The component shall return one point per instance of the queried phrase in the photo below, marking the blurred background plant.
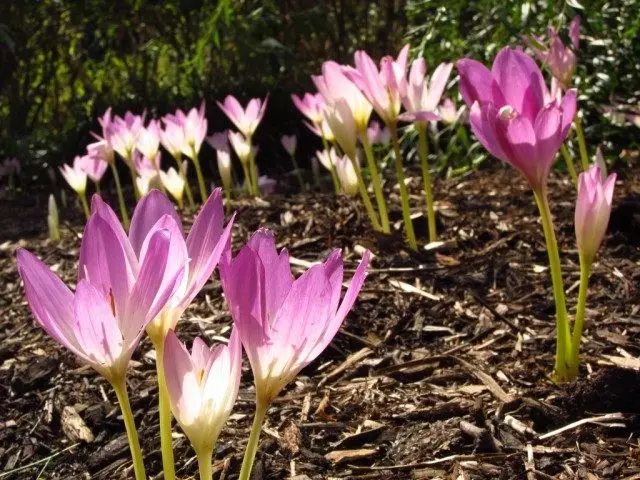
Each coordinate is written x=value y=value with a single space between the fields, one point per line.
x=64 y=62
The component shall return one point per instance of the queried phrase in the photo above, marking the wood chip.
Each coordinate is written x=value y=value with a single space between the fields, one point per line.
x=74 y=427
x=406 y=287
x=340 y=456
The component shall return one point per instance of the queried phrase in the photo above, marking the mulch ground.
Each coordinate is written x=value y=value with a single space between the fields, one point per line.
x=442 y=370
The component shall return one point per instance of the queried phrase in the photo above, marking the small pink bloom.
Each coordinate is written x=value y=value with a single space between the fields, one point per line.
x=93 y=166
x=241 y=145
x=148 y=141
x=448 y=112
x=194 y=125
x=284 y=323
x=219 y=141
x=593 y=209
x=247 y=120
x=122 y=134
x=172 y=138
x=203 y=386
x=289 y=143
x=344 y=126
x=513 y=114
x=75 y=176
x=560 y=59
x=267 y=184
x=146 y=167
x=378 y=134
x=102 y=150
x=422 y=93
x=311 y=105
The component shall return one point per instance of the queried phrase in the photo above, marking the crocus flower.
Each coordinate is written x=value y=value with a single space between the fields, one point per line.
x=335 y=86
x=105 y=121
x=289 y=143
x=203 y=386
x=347 y=175
x=93 y=166
x=385 y=88
x=560 y=59
x=327 y=157
x=148 y=140
x=322 y=129
x=311 y=105
x=203 y=246
x=174 y=183
x=145 y=166
x=102 y=150
x=219 y=141
x=513 y=114
x=172 y=138
x=344 y=126
x=195 y=130
x=122 y=134
x=241 y=145
x=284 y=324
x=224 y=168
x=378 y=134
x=423 y=94
x=267 y=184
x=75 y=176
x=593 y=209
x=448 y=112
x=247 y=120
x=117 y=294
x=143 y=182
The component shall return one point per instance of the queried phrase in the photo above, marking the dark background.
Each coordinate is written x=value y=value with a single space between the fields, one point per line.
x=64 y=62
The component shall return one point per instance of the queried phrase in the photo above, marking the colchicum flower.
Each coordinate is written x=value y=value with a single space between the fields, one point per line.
x=203 y=387
x=172 y=138
x=94 y=166
x=241 y=146
x=283 y=323
x=75 y=176
x=289 y=143
x=347 y=175
x=148 y=141
x=423 y=94
x=174 y=183
x=378 y=134
x=247 y=120
x=311 y=105
x=513 y=114
x=593 y=209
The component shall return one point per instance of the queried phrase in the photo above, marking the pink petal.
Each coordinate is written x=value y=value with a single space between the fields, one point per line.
x=476 y=83
x=518 y=140
x=548 y=131
x=148 y=211
x=437 y=84
x=483 y=123
x=182 y=385
x=568 y=106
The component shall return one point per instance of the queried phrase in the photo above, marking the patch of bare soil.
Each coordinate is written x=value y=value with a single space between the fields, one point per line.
x=442 y=370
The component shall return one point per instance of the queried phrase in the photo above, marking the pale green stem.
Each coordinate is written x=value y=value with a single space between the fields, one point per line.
x=205 y=464
x=253 y=169
x=254 y=437
x=187 y=187
x=201 y=185
x=584 y=156
x=247 y=178
x=332 y=168
x=132 y=172
x=578 y=324
x=164 y=411
x=97 y=185
x=365 y=195
x=423 y=149
x=297 y=170
x=563 y=340
x=375 y=179
x=404 y=194
x=123 y=208
x=120 y=386
x=85 y=205
x=569 y=161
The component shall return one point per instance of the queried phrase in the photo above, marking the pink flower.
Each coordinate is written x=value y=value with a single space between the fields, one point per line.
x=513 y=114
x=560 y=59
x=311 y=105
x=241 y=145
x=117 y=294
x=284 y=324
x=172 y=138
x=219 y=141
x=327 y=157
x=423 y=94
x=344 y=126
x=448 y=112
x=247 y=120
x=148 y=140
x=203 y=386
x=347 y=175
x=267 y=184
x=322 y=129
x=195 y=131
x=203 y=246
x=378 y=134
x=102 y=150
x=93 y=165
x=385 y=88
x=75 y=175
x=335 y=87
x=122 y=134
x=146 y=167
x=593 y=209
x=289 y=143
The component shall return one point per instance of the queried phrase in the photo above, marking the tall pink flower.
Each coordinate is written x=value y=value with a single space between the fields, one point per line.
x=423 y=94
x=172 y=138
x=117 y=294
x=593 y=209
x=94 y=166
x=203 y=387
x=247 y=120
x=122 y=134
x=148 y=141
x=311 y=105
x=513 y=114
x=195 y=131
x=560 y=59
x=284 y=323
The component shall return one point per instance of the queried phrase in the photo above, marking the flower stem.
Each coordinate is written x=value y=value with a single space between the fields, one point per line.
x=247 y=178
x=85 y=205
x=584 y=156
x=404 y=194
x=332 y=168
x=563 y=340
x=187 y=187
x=164 y=411
x=132 y=171
x=120 y=386
x=423 y=148
x=377 y=185
x=297 y=170
x=97 y=185
x=365 y=195
x=205 y=462
x=201 y=184
x=569 y=161
x=123 y=208
x=252 y=445
x=578 y=324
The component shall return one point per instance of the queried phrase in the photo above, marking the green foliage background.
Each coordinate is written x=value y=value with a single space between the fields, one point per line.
x=63 y=61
